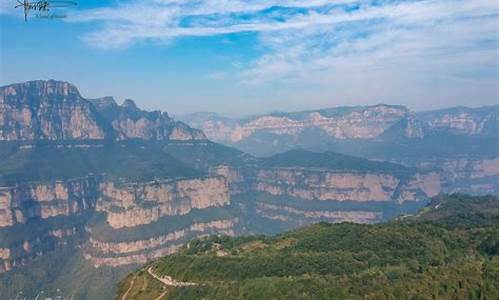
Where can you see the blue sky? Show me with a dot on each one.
(239, 57)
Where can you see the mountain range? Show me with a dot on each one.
(90, 189)
(461, 142)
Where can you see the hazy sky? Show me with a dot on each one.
(239, 57)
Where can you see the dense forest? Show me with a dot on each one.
(449, 250)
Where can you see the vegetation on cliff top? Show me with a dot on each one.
(448, 251)
(334, 161)
(128, 160)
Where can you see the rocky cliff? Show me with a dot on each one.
(61, 210)
(115, 186)
(20, 204)
(360, 122)
(55, 110)
(460, 143)
(327, 184)
(463, 174)
(47, 110)
(482, 121)
(128, 121)
(118, 253)
(301, 187)
(340, 123)
(135, 204)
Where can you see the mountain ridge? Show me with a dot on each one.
(55, 110)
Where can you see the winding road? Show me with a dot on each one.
(169, 281)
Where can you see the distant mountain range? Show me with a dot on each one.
(90, 189)
(462, 142)
(344, 123)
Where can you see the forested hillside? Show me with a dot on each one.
(447, 251)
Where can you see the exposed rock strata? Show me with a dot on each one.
(320, 184)
(285, 213)
(55, 110)
(46, 110)
(140, 251)
(342, 123)
(137, 204)
(21, 203)
(466, 174)
(22, 251)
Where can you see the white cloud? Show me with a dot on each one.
(406, 44)
(354, 47)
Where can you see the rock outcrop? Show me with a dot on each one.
(135, 204)
(482, 121)
(128, 121)
(471, 175)
(61, 211)
(54, 110)
(458, 142)
(340, 123)
(325, 184)
(47, 110)
(304, 217)
(120, 253)
(22, 203)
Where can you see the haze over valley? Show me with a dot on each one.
(106, 187)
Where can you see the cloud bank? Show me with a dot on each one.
(356, 47)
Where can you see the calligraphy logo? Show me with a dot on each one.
(44, 7)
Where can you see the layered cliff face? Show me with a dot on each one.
(37, 218)
(458, 142)
(342, 123)
(463, 121)
(119, 253)
(61, 212)
(22, 203)
(47, 110)
(55, 110)
(345, 186)
(300, 187)
(118, 186)
(471, 175)
(131, 122)
(135, 204)
(332, 185)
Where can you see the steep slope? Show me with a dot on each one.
(449, 250)
(88, 190)
(55, 110)
(48, 110)
(131, 122)
(482, 121)
(110, 206)
(339, 123)
(301, 187)
(102, 204)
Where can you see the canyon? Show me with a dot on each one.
(113, 186)
(461, 143)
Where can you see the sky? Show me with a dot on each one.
(240, 57)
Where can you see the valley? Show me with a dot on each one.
(91, 190)
(422, 255)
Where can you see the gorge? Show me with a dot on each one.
(105, 188)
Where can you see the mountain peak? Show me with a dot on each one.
(54, 110)
(42, 88)
(104, 102)
(129, 103)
